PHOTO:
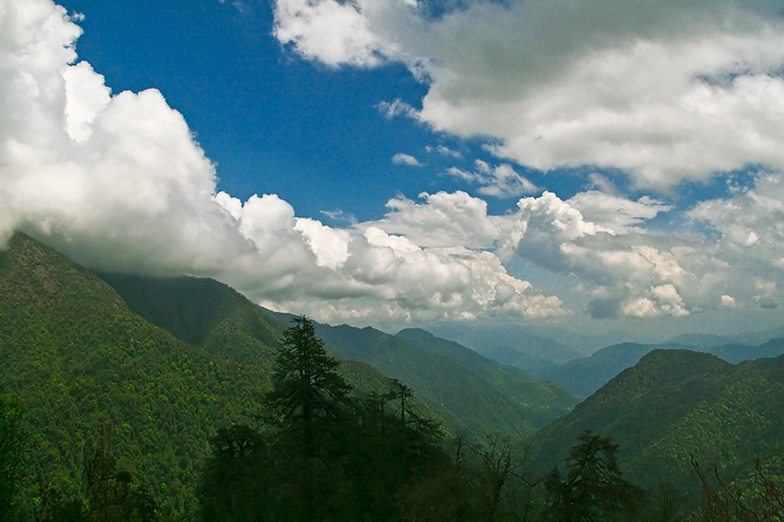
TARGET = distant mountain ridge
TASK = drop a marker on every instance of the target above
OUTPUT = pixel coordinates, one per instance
(217, 319)
(674, 404)
(584, 376)
(545, 400)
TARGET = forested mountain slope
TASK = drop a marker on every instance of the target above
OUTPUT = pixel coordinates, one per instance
(76, 357)
(512, 345)
(204, 313)
(544, 400)
(215, 317)
(674, 404)
(466, 401)
(584, 376)
(231, 326)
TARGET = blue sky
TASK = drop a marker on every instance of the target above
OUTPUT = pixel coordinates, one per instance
(588, 165)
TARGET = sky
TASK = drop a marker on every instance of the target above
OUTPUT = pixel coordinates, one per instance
(588, 165)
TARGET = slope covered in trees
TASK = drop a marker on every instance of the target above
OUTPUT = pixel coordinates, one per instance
(586, 375)
(76, 358)
(464, 400)
(675, 404)
(468, 397)
(543, 400)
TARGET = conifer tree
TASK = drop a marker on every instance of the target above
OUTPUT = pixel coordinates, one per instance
(593, 488)
(309, 401)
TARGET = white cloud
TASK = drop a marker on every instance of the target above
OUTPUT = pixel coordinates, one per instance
(666, 91)
(616, 213)
(499, 181)
(444, 220)
(335, 33)
(119, 183)
(405, 159)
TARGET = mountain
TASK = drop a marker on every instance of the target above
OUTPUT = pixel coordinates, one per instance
(584, 376)
(513, 345)
(544, 400)
(464, 400)
(203, 312)
(736, 353)
(216, 318)
(674, 404)
(77, 358)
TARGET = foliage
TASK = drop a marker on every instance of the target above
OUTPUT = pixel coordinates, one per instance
(672, 404)
(465, 401)
(76, 358)
(542, 401)
(761, 498)
(593, 488)
(13, 461)
(327, 455)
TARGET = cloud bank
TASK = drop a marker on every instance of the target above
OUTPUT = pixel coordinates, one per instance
(118, 182)
(667, 91)
(663, 93)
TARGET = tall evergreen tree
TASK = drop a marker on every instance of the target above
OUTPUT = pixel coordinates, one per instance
(593, 488)
(310, 403)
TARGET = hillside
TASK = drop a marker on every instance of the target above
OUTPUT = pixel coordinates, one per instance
(232, 327)
(76, 357)
(204, 313)
(584, 376)
(464, 400)
(673, 404)
(214, 317)
(543, 400)
(512, 345)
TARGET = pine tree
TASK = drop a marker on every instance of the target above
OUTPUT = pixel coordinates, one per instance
(593, 488)
(310, 403)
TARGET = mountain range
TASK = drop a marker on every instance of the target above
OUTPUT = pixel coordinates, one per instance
(165, 362)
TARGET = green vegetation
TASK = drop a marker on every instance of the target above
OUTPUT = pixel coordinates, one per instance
(76, 358)
(240, 417)
(13, 444)
(541, 400)
(325, 456)
(677, 404)
(584, 376)
(476, 396)
(466, 402)
(593, 488)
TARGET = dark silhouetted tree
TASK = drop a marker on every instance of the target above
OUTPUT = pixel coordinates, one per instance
(593, 488)
(239, 478)
(310, 403)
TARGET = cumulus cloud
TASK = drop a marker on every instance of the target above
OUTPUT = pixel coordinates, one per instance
(443, 220)
(616, 213)
(118, 182)
(499, 181)
(666, 91)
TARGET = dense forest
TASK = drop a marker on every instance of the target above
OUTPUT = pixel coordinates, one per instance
(129, 398)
